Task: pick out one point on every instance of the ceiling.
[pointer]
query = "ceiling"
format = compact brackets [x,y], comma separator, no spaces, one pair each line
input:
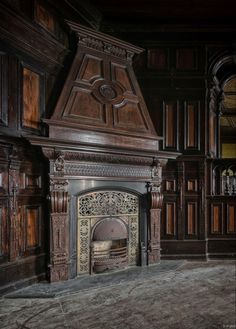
[179,11]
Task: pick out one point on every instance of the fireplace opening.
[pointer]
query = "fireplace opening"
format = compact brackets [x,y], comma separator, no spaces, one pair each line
[108,231]
[109,247]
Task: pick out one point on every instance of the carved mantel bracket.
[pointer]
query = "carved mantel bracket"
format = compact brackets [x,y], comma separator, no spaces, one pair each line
[156,200]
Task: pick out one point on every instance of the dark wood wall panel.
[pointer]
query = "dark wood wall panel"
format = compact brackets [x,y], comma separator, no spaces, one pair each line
[3,89]
[170,111]
[186,59]
[192,185]
[216,219]
[170,219]
[191,218]
[92,67]
[120,74]
[192,129]
[129,115]
[85,108]
[31,99]
[158,58]
[33,214]
[44,17]
[3,228]
[231,218]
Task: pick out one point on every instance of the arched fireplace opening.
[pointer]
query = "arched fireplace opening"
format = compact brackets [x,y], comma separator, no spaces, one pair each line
[109,245]
[108,231]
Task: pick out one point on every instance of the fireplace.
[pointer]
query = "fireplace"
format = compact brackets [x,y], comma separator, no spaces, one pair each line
[105,165]
[108,231]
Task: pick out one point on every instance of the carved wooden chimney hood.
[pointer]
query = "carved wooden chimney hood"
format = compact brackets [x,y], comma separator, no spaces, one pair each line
[101,102]
[100,136]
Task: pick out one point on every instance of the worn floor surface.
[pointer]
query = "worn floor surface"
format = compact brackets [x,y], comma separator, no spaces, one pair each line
[175,295]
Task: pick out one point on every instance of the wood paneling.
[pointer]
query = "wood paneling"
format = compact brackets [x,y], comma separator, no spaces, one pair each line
[32,181]
[231,218]
[192,131]
[170,219]
[120,74]
[216,219]
[170,109]
[31,99]
[158,58]
[3,229]
[129,115]
[192,185]
[212,133]
[3,90]
[33,225]
[44,17]
[170,185]
[84,107]
[92,67]
[186,59]
[191,218]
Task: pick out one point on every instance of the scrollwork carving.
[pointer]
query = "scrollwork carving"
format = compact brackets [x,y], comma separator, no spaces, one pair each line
[59,164]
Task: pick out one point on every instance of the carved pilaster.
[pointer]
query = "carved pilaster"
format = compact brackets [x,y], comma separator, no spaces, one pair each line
[14,166]
[156,200]
[59,246]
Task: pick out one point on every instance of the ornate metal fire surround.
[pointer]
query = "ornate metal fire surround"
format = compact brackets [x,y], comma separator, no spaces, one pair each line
[103,206]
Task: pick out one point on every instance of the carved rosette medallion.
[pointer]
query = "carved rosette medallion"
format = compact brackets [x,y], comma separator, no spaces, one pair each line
[108,91]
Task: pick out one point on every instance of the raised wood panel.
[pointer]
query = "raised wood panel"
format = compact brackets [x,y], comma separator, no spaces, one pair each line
[212,133]
[33,226]
[170,109]
[170,218]
[31,99]
[3,90]
[120,74]
[158,58]
[170,185]
[83,107]
[231,218]
[216,219]
[191,218]
[192,185]
[192,137]
[3,181]
[186,59]
[92,68]
[3,230]
[44,17]
[32,181]
[129,116]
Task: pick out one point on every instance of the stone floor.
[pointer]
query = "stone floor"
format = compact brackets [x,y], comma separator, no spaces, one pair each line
[174,294]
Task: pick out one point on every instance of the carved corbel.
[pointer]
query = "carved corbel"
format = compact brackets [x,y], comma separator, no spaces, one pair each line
[156,201]
[59,244]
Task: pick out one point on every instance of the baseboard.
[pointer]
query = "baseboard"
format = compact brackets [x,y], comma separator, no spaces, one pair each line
[6,289]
